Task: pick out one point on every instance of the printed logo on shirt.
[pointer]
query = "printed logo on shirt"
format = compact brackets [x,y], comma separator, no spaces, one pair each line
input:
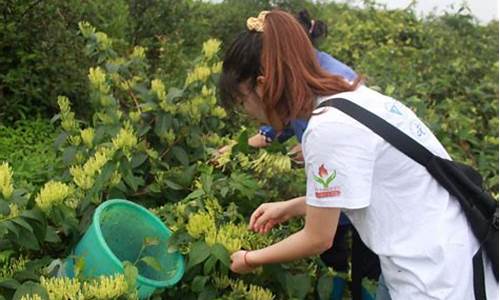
[394,107]
[418,130]
[324,181]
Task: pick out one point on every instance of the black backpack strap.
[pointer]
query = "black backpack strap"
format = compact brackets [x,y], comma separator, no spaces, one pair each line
[385,130]
[478,275]
[412,149]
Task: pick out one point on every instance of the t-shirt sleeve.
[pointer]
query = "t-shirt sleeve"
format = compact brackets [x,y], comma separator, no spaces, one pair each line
[339,161]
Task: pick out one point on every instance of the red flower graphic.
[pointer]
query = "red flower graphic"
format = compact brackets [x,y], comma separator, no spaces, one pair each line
[322,171]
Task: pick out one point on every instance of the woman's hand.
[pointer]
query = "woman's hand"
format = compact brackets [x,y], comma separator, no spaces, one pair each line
[267,215]
[258,141]
[296,155]
[239,262]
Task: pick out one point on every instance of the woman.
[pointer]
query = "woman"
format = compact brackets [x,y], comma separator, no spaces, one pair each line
[364,263]
[402,214]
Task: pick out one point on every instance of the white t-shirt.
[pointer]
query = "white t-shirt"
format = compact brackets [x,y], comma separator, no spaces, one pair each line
[402,214]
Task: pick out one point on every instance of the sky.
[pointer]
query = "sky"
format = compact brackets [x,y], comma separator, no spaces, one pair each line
[483,10]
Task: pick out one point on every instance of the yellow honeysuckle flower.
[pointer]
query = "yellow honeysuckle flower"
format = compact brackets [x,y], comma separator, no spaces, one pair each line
[31,297]
[14,210]
[62,288]
[52,193]
[83,176]
[75,140]
[86,29]
[125,139]
[207,92]
[135,116]
[9,266]
[158,88]
[115,178]
[106,287]
[211,47]
[200,224]
[200,73]
[68,122]
[217,68]
[6,182]
[219,112]
[88,136]
[169,137]
[97,79]
[138,53]
[103,42]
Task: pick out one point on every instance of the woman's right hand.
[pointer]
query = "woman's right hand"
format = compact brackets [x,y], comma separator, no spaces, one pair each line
[258,141]
[267,215]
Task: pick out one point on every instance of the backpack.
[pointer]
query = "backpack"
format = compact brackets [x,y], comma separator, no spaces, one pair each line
[460,180]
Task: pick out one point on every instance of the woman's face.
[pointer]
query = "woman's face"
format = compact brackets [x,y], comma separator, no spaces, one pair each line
[251,99]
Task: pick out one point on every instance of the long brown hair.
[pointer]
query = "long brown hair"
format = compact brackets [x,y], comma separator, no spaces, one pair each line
[285,56]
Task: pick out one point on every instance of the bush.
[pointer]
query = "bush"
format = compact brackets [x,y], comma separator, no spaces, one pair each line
[28,146]
[41,53]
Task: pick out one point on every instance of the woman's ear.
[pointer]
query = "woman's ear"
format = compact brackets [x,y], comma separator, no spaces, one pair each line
[259,86]
[260,80]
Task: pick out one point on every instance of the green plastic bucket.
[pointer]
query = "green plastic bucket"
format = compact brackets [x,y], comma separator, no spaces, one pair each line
[117,234]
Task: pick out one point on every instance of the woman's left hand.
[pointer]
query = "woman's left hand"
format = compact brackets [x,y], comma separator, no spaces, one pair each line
[239,264]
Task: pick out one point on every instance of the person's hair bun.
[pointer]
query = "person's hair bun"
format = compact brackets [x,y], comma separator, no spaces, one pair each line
[315,29]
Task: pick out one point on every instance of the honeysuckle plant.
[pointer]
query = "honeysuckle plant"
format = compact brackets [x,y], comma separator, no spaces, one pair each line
[153,143]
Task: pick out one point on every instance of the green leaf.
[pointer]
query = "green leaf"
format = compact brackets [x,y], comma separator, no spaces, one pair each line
[209,293]
[61,138]
[199,252]
[26,275]
[174,186]
[34,214]
[186,177]
[79,265]
[131,273]
[143,130]
[325,287]
[69,154]
[209,265]
[153,188]
[151,241]
[242,145]
[30,288]
[23,224]
[9,283]
[179,237]
[221,254]
[181,155]
[4,208]
[152,262]
[298,285]
[138,159]
[51,236]
[11,227]
[195,194]
[132,181]
[174,93]
[199,283]
[27,239]
[163,123]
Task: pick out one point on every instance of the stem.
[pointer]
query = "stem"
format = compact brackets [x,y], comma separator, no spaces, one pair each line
[139,255]
[135,101]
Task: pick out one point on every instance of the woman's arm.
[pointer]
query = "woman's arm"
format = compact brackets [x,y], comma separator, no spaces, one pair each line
[316,237]
[267,215]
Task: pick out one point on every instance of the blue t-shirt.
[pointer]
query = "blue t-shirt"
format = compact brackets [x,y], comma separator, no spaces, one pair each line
[297,127]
